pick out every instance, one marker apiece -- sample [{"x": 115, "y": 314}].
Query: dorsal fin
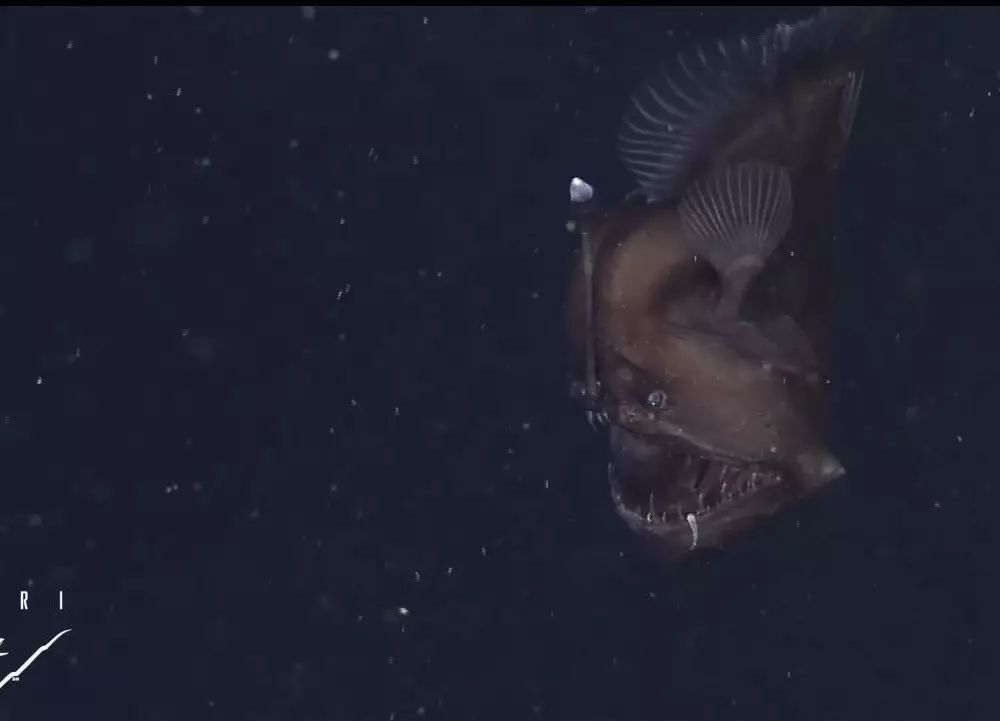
[
  {"x": 670, "y": 127},
  {"x": 675, "y": 110}
]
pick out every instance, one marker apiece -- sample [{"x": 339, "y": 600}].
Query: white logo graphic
[{"x": 15, "y": 674}]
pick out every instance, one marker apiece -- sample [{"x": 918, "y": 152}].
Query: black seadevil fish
[{"x": 699, "y": 307}]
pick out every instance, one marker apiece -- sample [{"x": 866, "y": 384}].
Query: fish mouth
[{"x": 690, "y": 498}]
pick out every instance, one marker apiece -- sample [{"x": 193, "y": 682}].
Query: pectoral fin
[{"x": 735, "y": 219}]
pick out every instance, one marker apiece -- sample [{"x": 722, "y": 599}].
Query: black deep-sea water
[{"x": 282, "y": 401}]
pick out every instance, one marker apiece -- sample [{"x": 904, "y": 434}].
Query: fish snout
[{"x": 818, "y": 467}]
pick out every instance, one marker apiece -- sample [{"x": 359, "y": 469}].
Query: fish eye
[{"x": 656, "y": 399}]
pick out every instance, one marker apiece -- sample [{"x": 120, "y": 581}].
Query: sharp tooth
[{"x": 692, "y": 522}]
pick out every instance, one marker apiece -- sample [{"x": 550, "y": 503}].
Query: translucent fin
[
  {"x": 852, "y": 95},
  {"x": 671, "y": 114},
  {"x": 736, "y": 218},
  {"x": 672, "y": 124},
  {"x": 836, "y": 32}
]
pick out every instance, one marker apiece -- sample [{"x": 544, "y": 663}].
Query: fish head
[{"x": 703, "y": 435}]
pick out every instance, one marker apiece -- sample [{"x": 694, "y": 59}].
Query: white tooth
[{"x": 693, "y": 524}]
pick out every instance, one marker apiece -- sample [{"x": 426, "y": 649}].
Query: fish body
[{"x": 700, "y": 306}]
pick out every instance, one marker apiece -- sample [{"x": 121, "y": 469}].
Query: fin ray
[
  {"x": 737, "y": 217},
  {"x": 670, "y": 121},
  {"x": 664, "y": 119},
  {"x": 852, "y": 96}
]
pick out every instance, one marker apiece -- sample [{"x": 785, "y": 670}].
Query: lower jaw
[{"x": 690, "y": 485}]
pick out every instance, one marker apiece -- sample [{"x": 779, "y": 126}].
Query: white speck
[
  {"x": 205, "y": 219},
  {"x": 38, "y": 382},
  {"x": 571, "y": 225},
  {"x": 958, "y": 438},
  {"x": 403, "y": 611},
  {"x": 293, "y": 144},
  {"x": 333, "y": 54},
  {"x": 69, "y": 45}
]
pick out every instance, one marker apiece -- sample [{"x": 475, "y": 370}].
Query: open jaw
[{"x": 691, "y": 499}]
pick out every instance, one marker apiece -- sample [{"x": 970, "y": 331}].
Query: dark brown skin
[{"x": 716, "y": 408}]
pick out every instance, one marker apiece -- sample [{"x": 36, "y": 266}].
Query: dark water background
[{"x": 282, "y": 405}]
